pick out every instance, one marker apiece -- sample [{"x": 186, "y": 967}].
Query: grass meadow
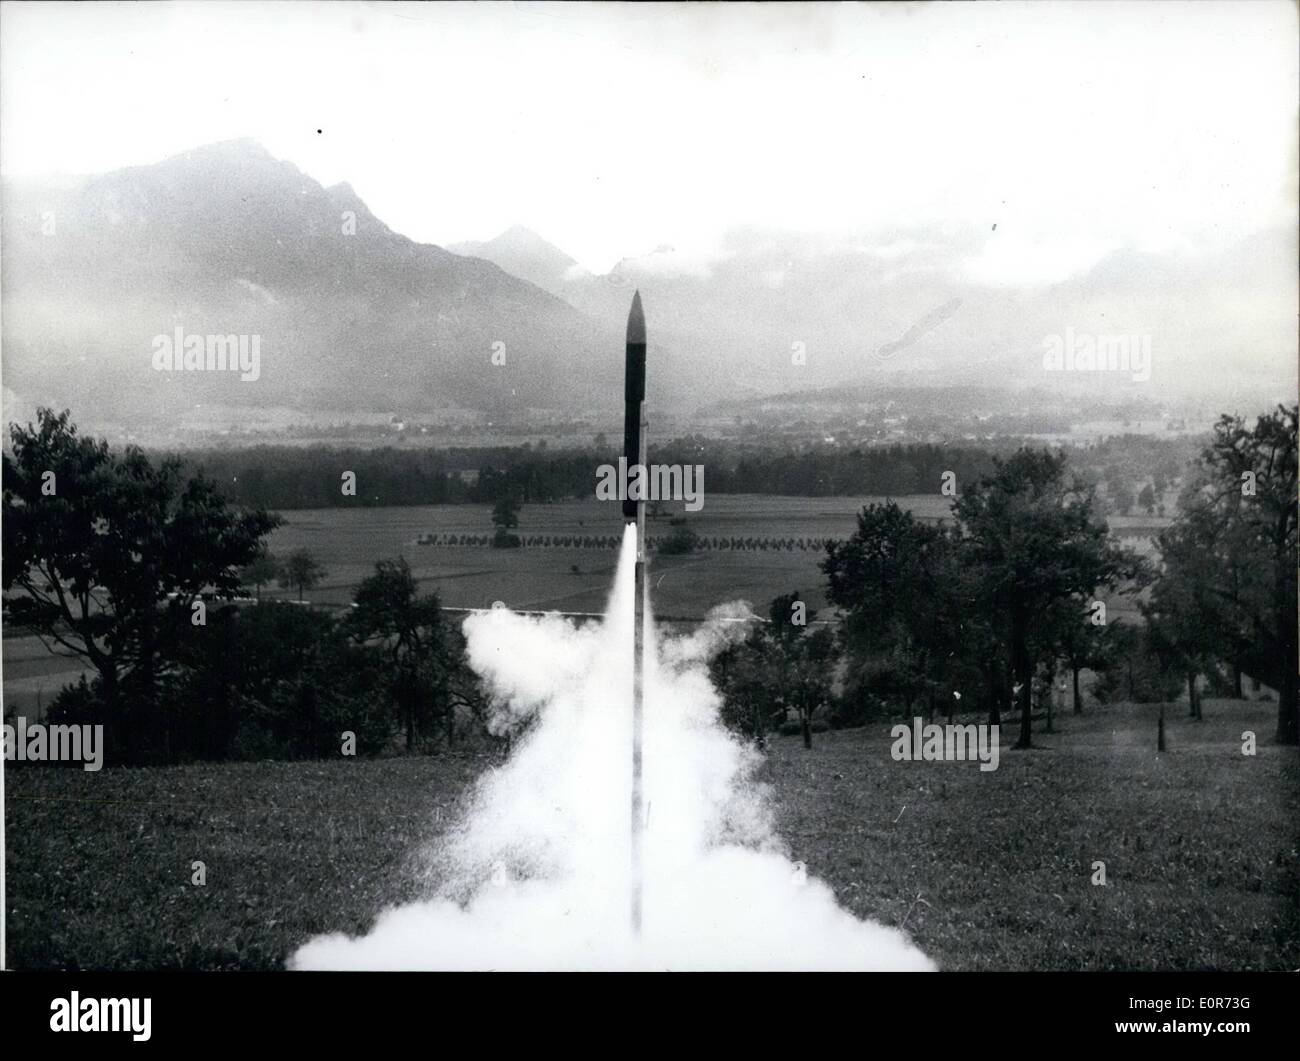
[
  {"x": 350, "y": 541},
  {"x": 986, "y": 870}
]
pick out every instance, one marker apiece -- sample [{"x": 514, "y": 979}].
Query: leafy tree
[
  {"x": 276, "y": 681},
  {"x": 1036, "y": 540},
  {"x": 107, "y": 554},
  {"x": 740, "y": 674},
  {"x": 302, "y": 570},
  {"x": 1121, "y": 496},
  {"x": 1081, "y": 644},
  {"x": 800, "y": 660},
  {"x": 505, "y": 513},
  {"x": 911, "y": 626},
  {"x": 424, "y": 655},
  {"x": 681, "y": 541},
  {"x": 1139, "y": 667},
  {"x": 1231, "y": 555},
  {"x": 505, "y": 517},
  {"x": 1182, "y": 613},
  {"x": 1147, "y": 499},
  {"x": 779, "y": 668},
  {"x": 262, "y": 570}
]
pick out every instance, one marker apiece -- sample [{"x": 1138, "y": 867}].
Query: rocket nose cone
[{"x": 636, "y": 321}]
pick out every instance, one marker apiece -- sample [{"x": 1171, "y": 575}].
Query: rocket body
[
  {"x": 633, "y": 394},
  {"x": 634, "y": 450}
]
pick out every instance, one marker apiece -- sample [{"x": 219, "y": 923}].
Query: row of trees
[
  {"x": 133, "y": 568},
  {"x": 310, "y": 477},
  {"x": 975, "y": 608},
  {"x": 274, "y": 680},
  {"x": 288, "y": 477},
  {"x": 679, "y": 537},
  {"x": 998, "y": 607}
]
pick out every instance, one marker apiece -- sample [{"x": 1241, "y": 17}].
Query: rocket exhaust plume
[
  {"x": 535, "y": 875},
  {"x": 538, "y": 873}
]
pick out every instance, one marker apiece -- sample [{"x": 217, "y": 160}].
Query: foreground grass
[
  {"x": 985, "y": 870},
  {"x": 994, "y": 870},
  {"x": 99, "y": 866}
]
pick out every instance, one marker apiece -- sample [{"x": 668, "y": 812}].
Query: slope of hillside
[{"x": 227, "y": 239}]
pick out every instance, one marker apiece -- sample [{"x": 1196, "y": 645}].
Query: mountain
[
  {"x": 523, "y": 253},
  {"x": 354, "y": 321},
  {"x": 349, "y": 316},
  {"x": 773, "y": 311}
]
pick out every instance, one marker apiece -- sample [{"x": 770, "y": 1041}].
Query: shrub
[{"x": 682, "y": 541}]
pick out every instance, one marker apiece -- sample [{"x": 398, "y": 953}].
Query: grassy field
[
  {"x": 350, "y": 541},
  {"x": 985, "y": 870}
]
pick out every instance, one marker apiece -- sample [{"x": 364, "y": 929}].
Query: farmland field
[
  {"x": 986, "y": 870},
  {"x": 350, "y": 541}
]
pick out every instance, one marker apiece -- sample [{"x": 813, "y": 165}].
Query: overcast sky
[{"x": 1076, "y": 128}]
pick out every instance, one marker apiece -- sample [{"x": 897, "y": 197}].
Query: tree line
[
  {"x": 293, "y": 477},
  {"x": 135, "y": 569},
  {"x": 136, "y": 566},
  {"x": 989, "y": 613},
  {"x": 288, "y": 477}
]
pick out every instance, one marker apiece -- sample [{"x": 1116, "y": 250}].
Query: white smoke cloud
[
  {"x": 724, "y": 625},
  {"x": 538, "y": 874}
]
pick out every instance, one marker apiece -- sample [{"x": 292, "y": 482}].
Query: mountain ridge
[{"x": 227, "y": 239}]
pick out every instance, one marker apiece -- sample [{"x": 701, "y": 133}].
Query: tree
[
  {"x": 109, "y": 553},
  {"x": 1121, "y": 496},
  {"x": 424, "y": 655},
  {"x": 505, "y": 517},
  {"x": 1235, "y": 542},
  {"x": 1147, "y": 499},
  {"x": 276, "y": 681},
  {"x": 302, "y": 570},
  {"x": 262, "y": 570},
  {"x": 680, "y": 542},
  {"x": 910, "y": 624},
  {"x": 1181, "y": 614},
  {"x": 1082, "y": 645},
  {"x": 740, "y": 673},
  {"x": 1138, "y": 667},
  {"x": 779, "y": 668},
  {"x": 800, "y": 660},
  {"x": 1036, "y": 540}
]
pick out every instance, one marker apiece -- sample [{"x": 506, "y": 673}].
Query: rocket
[
  {"x": 634, "y": 450},
  {"x": 633, "y": 395}
]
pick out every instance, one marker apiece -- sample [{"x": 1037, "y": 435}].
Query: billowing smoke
[{"x": 537, "y": 875}]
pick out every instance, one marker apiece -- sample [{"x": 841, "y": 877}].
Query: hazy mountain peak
[
  {"x": 237, "y": 147},
  {"x": 523, "y": 253},
  {"x": 519, "y": 239},
  {"x": 226, "y": 239}
]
